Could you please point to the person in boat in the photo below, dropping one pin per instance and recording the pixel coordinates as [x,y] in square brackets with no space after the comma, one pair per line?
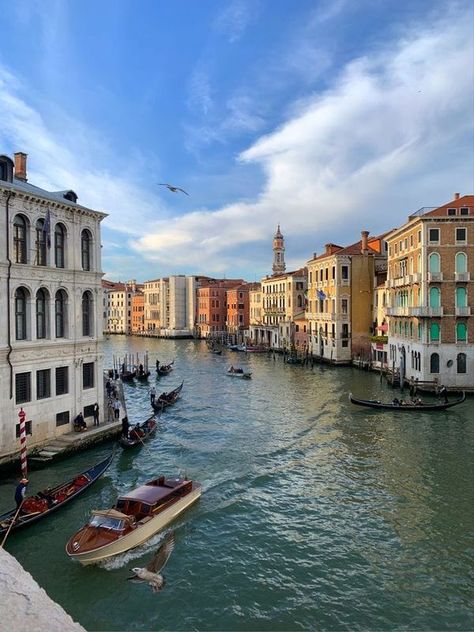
[48,497]
[20,492]
[125,426]
[396,401]
[79,423]
[443,392]
[157,365]
[231,369]
[136,432]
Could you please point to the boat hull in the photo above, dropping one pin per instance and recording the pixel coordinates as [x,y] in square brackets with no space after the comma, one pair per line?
[140,534]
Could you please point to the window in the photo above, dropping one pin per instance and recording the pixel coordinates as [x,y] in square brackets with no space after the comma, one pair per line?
[27,428]
[86,250]
[89,411]
[461,235]
[435,297]
[87,314]
[21,296]
[62,418]
[434,363]
[22,388]
[461,332]
[59,244]
[461,262]
[61,313]
[19,239]
[434,332]
[419,237]
[345,273]
[434,263]
[461,297]
[43,384]
[40,244]
[464,210]
[62,380]
[451,211]
[41,313]
[88,375]
[461,363]
[433,235]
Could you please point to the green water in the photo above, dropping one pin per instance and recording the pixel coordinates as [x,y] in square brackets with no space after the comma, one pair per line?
[316,515]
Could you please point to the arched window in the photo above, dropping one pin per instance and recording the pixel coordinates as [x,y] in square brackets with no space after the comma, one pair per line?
[435,297]
[434,363]
[434,332]
[61,313]
[21,320]
[20,239]
[434,262]
[461,332]
[461,297]
[86,250]
[40,244]
[59,245]
[87,314]
[41,313]
[420,331]
[461,262]
[461,363]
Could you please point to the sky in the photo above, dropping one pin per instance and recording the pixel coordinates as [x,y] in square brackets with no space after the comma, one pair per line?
[327,118]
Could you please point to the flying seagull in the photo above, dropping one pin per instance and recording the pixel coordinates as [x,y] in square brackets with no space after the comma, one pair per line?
[172,187]
[151,574]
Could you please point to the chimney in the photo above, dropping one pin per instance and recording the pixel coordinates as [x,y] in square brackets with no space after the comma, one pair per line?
[315,255]
[20,166]
[456,196]
[364,240]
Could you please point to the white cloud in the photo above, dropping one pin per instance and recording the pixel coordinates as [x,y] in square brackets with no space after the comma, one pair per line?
[234,19]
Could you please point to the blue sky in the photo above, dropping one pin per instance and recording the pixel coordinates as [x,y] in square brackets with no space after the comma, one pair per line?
[326,117]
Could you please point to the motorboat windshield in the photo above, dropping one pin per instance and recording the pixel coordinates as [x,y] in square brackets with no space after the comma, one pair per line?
[113,523]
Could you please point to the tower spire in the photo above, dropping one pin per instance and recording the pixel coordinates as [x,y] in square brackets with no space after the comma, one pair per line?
[279,265]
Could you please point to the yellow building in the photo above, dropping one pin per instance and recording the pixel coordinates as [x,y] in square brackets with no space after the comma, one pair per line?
[156,293]
[341,282]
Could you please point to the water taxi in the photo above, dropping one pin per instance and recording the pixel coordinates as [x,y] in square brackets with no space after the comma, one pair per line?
[134,519]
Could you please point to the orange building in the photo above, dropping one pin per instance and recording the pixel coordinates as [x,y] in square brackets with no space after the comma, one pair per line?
[238,308]
[212,306]
[138,313]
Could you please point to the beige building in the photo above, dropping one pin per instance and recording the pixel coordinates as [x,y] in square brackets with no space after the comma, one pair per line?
[118,306]
[156,298]
[255,306]
[431,292]
[341,283]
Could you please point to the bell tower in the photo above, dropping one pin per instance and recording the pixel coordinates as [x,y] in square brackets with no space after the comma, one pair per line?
[279,265]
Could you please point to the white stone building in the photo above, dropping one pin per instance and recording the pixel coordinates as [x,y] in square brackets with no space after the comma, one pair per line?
[51,308]
[118,306]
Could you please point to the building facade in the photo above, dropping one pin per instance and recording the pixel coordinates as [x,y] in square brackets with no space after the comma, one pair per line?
[51,297]
[238,310]
[156,298]
[211,314]
[138,313]
[431,292]
[118,305]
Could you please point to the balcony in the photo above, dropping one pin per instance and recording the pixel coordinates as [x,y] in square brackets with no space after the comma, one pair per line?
[415,277]
[462,277]
[398,311]
[435,277]
[426,312]
[463,311]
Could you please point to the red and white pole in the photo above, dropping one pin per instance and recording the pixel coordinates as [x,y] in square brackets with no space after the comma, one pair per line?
[24,465]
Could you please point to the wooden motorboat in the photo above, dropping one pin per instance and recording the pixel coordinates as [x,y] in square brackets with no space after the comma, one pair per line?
[245,375]
[167,399]
[138,434]
[134,519]
[165,368]
[52,498]
[401,406]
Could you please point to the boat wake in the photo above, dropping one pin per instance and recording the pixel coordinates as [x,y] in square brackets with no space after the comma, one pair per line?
[119,561]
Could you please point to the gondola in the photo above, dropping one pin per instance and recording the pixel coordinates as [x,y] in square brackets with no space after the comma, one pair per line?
[216,351]
[245,375]
[127,376]
[143,377]
[51,499]
[167,399]
[373,403]
[165,369]
[147,428]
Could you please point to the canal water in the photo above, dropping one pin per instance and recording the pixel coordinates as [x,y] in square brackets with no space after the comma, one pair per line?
[316,515]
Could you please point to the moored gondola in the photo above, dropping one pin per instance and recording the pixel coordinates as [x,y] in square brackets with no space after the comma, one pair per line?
[143,376]
[127,376]
[167,399]
[401,406]
[45,502]
[139,434]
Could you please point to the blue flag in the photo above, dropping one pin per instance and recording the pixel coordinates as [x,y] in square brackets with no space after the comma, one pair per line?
[321,295]
[47,229]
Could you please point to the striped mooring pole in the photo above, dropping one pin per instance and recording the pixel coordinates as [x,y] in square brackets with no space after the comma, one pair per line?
[24,465]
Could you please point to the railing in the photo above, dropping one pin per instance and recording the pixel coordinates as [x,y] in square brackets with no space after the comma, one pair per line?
[435,277]
[415,277]
[462,277]
[463,311]
[398,311]
[427,312]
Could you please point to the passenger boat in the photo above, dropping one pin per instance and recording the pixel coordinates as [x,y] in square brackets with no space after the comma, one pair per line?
[165,369]
[245,375]
[402,407]
[52,498]
[134,519]
[167,399]
[137,436]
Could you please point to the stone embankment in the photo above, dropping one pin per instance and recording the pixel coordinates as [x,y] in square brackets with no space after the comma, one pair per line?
[25,606]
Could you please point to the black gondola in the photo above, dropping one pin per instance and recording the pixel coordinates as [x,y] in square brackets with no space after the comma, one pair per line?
[127,376]
[51,499]
[167,399]
[147,428]
[143,377]
[165,369]
[400,407]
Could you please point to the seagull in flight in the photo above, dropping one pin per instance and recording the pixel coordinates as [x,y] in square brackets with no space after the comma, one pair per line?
[151,573]
[171,187]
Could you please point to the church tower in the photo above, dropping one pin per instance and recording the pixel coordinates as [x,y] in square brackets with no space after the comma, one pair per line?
[278,253]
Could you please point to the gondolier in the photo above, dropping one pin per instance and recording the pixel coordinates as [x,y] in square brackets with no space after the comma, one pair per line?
[20,492]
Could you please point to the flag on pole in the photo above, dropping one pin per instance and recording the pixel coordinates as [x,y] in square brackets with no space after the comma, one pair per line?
[321,295]
[47,229]
[24,465]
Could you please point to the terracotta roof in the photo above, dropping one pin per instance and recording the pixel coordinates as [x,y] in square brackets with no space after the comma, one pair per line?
[441,211]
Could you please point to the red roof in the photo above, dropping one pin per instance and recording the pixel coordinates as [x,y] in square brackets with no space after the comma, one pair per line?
[442,211]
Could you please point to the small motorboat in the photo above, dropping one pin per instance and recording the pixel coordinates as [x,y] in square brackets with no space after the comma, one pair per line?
[402,406]
[138,434]
[52,498]
[245,375]
[134,519]
[167,399]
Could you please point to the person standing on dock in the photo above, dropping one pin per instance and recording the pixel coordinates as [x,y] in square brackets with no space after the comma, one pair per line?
[152,394]
[96,414]
[117,409]
[20,492]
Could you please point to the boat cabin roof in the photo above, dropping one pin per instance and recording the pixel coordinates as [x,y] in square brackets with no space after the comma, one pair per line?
[111,513]
[152,492]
